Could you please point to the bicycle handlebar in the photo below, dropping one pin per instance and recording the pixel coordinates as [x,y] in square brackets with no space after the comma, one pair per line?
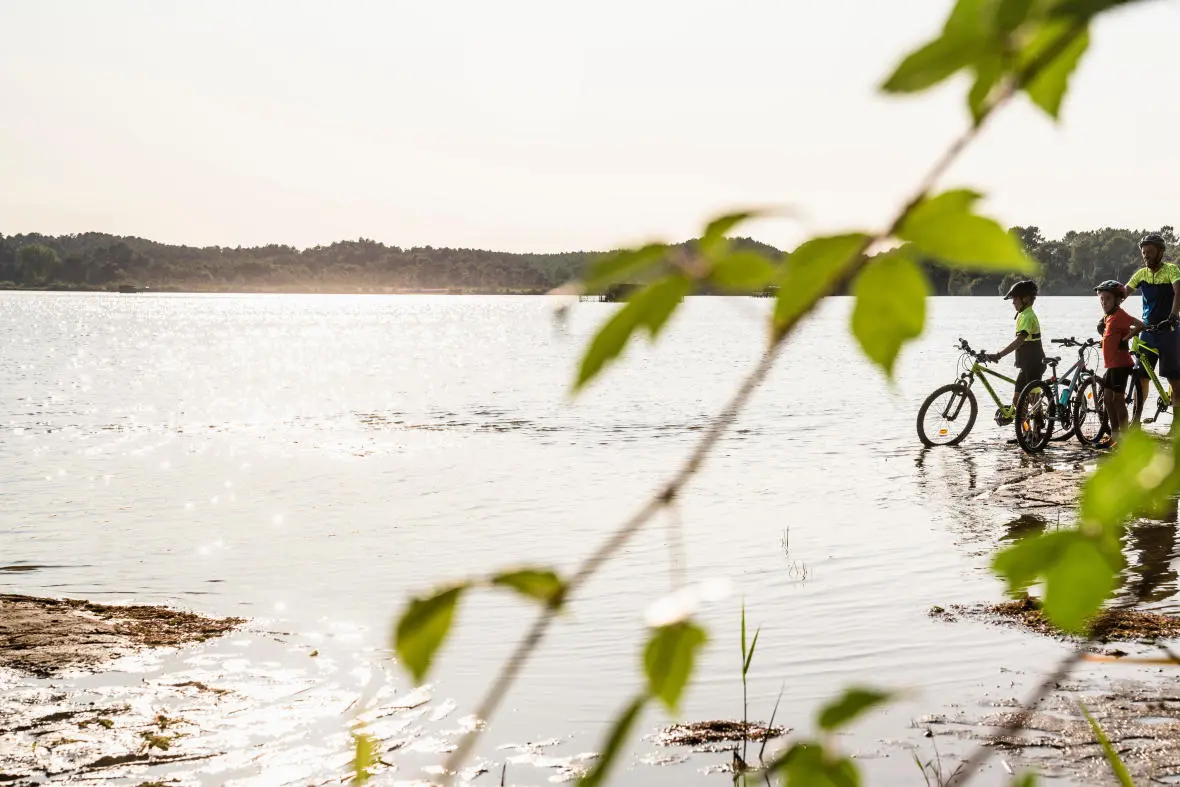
[1073,341]
[1162,324]
[979,355]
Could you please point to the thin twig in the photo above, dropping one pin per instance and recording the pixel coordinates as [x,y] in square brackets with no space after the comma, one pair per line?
[717,428]
[967,769]
[676,546]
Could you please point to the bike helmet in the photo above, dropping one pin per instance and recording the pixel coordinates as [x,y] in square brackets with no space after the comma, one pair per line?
[1022,289]
[1110,285]
[1154,239]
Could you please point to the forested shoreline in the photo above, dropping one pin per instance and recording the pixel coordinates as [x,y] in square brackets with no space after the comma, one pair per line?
[1072,265]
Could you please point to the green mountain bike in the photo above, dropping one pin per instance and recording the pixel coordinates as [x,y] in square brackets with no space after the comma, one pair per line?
[947,415]
[1161,418]
[1072,401]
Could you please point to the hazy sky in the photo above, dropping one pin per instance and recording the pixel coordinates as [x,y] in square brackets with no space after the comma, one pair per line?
[541,124]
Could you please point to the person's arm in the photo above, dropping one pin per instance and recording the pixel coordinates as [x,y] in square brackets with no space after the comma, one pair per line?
[1013,347]
[1175,300]
[1136,327]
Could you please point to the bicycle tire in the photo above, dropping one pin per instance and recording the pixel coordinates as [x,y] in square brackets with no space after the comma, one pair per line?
[1035,428]
[972,407]
[1090,389]
[1139,402]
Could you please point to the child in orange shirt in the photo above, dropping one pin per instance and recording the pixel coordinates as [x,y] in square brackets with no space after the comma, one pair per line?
[1118,328]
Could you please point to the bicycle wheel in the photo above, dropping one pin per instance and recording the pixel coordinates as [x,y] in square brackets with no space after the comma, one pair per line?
[1089,411]
[1066,426]
[948,423]
[1034,416]
[1148,412]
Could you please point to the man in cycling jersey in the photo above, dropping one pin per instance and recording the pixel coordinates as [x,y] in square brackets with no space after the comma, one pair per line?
[1159,282]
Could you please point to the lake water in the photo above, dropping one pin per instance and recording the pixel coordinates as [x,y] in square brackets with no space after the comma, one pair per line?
[310,461]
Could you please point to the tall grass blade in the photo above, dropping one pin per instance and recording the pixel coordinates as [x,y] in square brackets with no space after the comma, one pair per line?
[1112,756]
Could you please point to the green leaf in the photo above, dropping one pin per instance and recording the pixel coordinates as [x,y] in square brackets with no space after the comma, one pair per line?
[931,64]
[750,653]
[617,267]
[971,19]
[540,584]
[988,72]
[1112,756]
[364,757]
[1028,779]
[650,307]
[807,764]
[743,270]
[890,307]
[1046,81]
[854,702]
[423,627]
[1138,478]
[1085,9]
[713,240]
[1012,13]
[614,743]
[668,660]
[812,271]
[944,227]
[1031,557]
[1077,584]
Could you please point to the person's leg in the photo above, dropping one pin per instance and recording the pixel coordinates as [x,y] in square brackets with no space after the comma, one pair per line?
[1116,410]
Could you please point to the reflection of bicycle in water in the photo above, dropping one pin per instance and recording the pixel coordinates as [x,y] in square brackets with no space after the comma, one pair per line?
[1071,400]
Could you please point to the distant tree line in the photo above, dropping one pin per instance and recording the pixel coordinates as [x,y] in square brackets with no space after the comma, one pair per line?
[1072,265]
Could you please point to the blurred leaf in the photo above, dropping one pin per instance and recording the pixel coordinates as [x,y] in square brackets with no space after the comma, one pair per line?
[966,37]
[971,18]
[1079,573]
[614,742]
[932,63]
[1011,14]
[944,227]
[668,660]
[423,627]
[540,584]
[1048,85]
[616,267]
[713,241]
[363,758]
[811,271]
[890,307]
[1030,557]
[854,702]
[1077,583]
[1112,756]
[806,764]
[1028,779]
[988,72]
[1085,9]
[1139,477]
[650,307]
[743,270]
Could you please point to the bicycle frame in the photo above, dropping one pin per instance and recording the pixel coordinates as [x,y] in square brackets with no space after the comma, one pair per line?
[982,372]
[1141,352]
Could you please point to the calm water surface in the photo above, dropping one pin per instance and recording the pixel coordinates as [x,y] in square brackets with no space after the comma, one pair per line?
[309,461]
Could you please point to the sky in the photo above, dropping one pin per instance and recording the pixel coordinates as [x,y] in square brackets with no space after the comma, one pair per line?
[544,125]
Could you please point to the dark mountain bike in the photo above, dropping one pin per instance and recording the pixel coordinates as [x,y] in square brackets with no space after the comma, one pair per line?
[1072,400]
